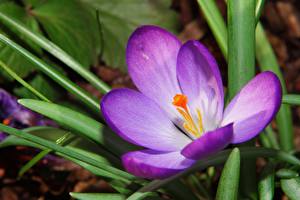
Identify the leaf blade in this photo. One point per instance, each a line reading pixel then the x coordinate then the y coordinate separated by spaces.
pixel 109 171
pixel 229 181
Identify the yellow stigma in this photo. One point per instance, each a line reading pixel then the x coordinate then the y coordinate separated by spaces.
pixel 180 101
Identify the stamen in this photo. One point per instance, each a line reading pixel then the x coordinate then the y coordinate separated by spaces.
pixel 180 101
pixel 189 124
pixel 200 121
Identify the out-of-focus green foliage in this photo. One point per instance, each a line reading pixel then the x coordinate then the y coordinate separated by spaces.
pixel 41 84
pixel 10 57
pixel 70 25
pixel 119 18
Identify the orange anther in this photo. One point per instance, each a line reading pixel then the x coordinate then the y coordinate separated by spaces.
pixel 6 121
pixel 180 100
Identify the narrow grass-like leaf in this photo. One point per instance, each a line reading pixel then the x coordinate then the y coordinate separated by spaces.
pixel 266 182
pixel 82 124
pixel 198 188
pixel 241 44
pixel 229 182
pixel 286 173
pixel 41 155
pixel 264 140
pixel 109 171
pixel 56 51
pixel 272 137
pixel 267 61
pixel 54 74
pixel 140 195
pixel 221 157
pixel 268 138
pixel 259 7
pixel 241 69
pixel 178 190
pixel 78 145
pixel 291 187
pixel 291 99
pixel 13 141
pixel 21 81
pixel 97 196
pixel 216 23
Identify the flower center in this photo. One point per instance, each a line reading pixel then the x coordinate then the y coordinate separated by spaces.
pixel 196 129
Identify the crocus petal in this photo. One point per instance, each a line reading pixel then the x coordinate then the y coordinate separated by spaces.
pixel 210 143
pixel 151 58
pixel 139 120
pixel 254 106
pixel 8 104
pixel 155 165
pixel 201 82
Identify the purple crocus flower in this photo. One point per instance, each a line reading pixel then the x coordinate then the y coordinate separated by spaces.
pixel 179 115
pixel 17 116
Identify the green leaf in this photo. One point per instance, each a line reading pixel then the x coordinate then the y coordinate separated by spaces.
pixel 11 58
pixel 259 7
pixel 15 76
pixel 80 123
pixel 41 84
pixel 141 195
pixel 119 18
pixel 56 51
pixel 292 99
pixel 229 181
pixel 286 174
pixel 72 26
pixel 54 74
pixel 77 144
pixel 107 170
pixel 268 62
pixel 267 182
pixel 216 23
pixel 97 196
pixel 42 154
pixel 241 44
pixel 241 69
pixel 291 187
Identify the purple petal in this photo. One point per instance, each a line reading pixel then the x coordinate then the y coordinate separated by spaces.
pixel 8 104
pixel 201 82
pixel 139 120
pixel 209 143
pixel 252 109
pixel 2 136
pixel 155 165
pixel 151 58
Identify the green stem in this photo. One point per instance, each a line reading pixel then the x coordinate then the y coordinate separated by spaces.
pixel 241 69
pixel 292 99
